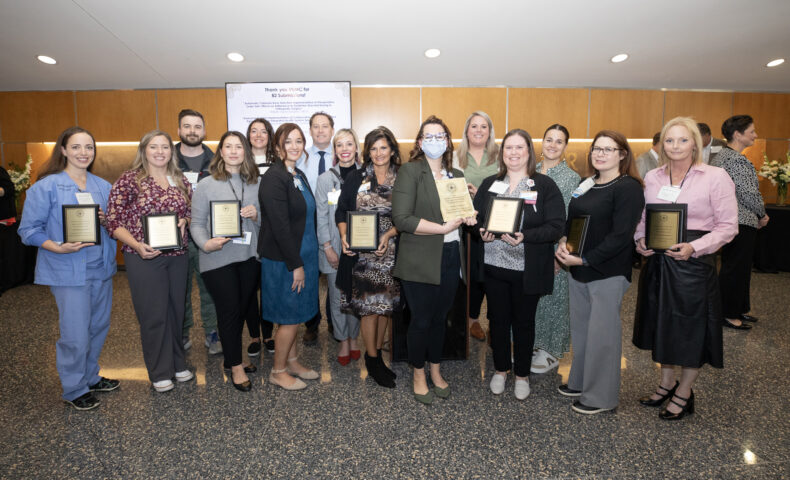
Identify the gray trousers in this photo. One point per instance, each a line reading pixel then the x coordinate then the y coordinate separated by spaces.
pixel 346 325
pixel 596 332
pixel 158 287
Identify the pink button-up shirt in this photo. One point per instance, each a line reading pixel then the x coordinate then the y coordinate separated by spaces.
pixel 712 207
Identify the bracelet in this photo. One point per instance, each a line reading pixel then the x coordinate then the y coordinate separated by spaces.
pixel 327 246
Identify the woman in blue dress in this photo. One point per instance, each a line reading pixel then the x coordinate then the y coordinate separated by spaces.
pixel 288 249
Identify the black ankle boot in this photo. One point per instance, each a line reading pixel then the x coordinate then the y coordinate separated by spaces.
pixel 373 364
pixel 384 366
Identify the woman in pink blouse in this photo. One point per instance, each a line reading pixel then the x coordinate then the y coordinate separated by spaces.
pixel 678 311
pixel 157 279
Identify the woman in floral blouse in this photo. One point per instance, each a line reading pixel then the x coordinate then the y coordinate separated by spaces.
pixel 157 279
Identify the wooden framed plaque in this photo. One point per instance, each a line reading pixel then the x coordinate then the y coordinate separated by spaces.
pixel 577 235
pixel 81 224
pixel 665 225
pixel 160 231
pixel 225 218
pixel 503 215
pixel 362 231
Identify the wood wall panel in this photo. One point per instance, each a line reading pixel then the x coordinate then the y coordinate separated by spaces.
pixel 634 113
pixel 117 115
pixel 534 109
pixel 453 106
pixel 771 112
pixel 396 108
pixel 208 101
pixel 706 107
pixel 35 116
pixel 14 155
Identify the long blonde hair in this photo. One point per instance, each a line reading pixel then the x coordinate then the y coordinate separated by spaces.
pixel 691 126
pixel 140 163
pixel 491 147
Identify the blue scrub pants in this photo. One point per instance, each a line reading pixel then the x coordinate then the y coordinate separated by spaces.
pixel 84 314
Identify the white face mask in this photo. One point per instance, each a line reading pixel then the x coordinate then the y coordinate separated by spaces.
pixel 434 148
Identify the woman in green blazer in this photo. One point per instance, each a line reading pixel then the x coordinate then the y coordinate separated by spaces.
pixel 429 252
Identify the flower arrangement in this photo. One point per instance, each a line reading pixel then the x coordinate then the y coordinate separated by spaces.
pixel 21 179
pixel 778 174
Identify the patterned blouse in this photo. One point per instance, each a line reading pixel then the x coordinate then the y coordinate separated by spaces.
pixel 129 201
pixel 747 187
pixel 501 254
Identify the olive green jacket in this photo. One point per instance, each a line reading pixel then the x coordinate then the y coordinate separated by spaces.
pixel 415 197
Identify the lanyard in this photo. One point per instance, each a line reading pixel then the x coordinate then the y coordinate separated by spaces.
pixel 684 176
pixel 230 182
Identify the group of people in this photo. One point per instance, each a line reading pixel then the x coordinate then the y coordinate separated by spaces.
pixel 543 294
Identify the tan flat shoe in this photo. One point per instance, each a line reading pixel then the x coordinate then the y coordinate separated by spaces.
pixel 297 385
pixel 477 331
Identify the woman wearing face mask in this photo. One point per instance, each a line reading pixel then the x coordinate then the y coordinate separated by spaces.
pixel 157 279
pixel 736 257
pixel 369 290
pixel 477 158
pixel 552 320
pixel 430 254
pixel 345 147
pixel 678 312
pixel 260 136
pixel 288 249
pixel 518 268
pixel 613 200
pixel 78 274
pixel 230 270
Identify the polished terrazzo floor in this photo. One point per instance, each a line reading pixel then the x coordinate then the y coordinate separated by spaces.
pixel 344 426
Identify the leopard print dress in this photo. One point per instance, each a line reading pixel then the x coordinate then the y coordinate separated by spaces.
pixel 374 290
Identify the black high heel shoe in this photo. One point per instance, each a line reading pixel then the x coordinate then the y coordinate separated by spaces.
pixel 651 402
pixel 686 409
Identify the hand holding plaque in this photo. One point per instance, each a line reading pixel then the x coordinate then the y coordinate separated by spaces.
pixel 81 224
pixel 504 215
pixel 362 231
pixel 577 235
pixel 225 218
pixel 454 199
pixel 161 231
pixel 665 225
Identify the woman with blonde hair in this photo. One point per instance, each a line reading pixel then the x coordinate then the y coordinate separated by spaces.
pixel 678 311
pixel 230 269
pixel 477 158
pixel 157 279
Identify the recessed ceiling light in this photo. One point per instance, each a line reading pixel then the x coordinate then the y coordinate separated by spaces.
pixel 620 57
pixel 235 57
pixel 776 62
pixel 432 52
pixel 46 59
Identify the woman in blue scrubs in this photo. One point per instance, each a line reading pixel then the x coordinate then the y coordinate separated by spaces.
pixel 78 274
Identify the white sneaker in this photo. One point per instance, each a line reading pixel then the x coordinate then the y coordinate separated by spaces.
pixel 163 386
pixel 543 362
pixel 522 389
pixel 497 384
pixel 184 376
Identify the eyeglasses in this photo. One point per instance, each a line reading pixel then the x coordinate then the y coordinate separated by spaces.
pixel 606 150
pixel 438 136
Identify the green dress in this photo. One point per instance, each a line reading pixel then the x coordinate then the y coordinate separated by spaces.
pixel 552 319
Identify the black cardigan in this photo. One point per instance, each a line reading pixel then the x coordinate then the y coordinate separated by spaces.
pixel 283 214
pixel 541 226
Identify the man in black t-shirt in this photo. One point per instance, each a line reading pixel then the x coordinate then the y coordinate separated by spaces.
pixel 193 159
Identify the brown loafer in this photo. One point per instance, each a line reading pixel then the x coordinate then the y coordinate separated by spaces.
pixel 477 332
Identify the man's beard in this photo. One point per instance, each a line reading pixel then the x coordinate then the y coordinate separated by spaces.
pixel 191 143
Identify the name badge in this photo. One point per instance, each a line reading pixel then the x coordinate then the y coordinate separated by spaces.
pixel 333 196
pixel 245 239
pixel 364 187
pixel 669 193
pixel 84 198
pixel 297 183
pixel 715 149
pixel 193 178
pixel 498 187
pixel 530 197
pixel 583 187
pixel 170 181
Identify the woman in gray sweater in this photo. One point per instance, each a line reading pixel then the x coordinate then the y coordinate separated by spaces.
pixel 229 266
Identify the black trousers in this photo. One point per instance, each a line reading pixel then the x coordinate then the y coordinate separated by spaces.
pixel 477 290
pixel 256 325
pixel 232 288
pixel 510 308
pixel 736 272
pixel 429 305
